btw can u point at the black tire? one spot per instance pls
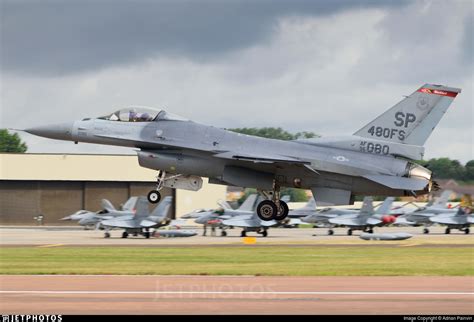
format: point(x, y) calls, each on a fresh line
point(467, 231)
point(283, 211)
point(447, 231)
point(349, 232)
point(264, 233)
point(124, 234)
point(107, 235)
point(223, 233)
point(154, 196)
point(146, 234)
point(267, 210)
point(243, 234)
point(330, 232)
point(370, 231)
point(426, 231)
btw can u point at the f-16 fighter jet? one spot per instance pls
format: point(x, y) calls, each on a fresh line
point(375, 160)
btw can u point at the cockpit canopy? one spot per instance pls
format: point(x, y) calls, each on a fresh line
point(141, 114)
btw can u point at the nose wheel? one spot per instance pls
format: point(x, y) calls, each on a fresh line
point(154, 196)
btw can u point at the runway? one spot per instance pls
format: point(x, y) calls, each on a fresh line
point(103, 294)
point(72, 236)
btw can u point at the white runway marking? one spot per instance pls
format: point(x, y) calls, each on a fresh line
point(233, 293)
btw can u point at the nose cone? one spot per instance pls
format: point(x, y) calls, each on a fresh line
point(61, 131)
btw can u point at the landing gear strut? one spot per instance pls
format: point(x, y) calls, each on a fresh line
point(273, 208)
point(154, 196)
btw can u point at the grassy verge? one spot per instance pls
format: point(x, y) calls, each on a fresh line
point(278, 260)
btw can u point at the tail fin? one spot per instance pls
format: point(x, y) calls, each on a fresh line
point(385, 206)
point(412, 120)
point(107, 205)
point(443, 199)
point(161, 211)
point(367, 206)
point(311, 204)
point(142, 209)
point(224, 204)
point(249, 203)
point(130, 204)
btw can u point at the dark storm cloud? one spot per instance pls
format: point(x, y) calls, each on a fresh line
point(63, 37)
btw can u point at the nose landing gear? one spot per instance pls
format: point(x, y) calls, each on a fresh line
point(154, 196)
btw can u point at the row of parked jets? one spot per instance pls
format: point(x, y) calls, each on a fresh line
point(135, 218)
point(364, 219)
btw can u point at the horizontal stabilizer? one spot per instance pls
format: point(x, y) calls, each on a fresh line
point(373, 221)
point(147, 223)
point(399, 183)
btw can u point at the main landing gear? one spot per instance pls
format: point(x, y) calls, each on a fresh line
point(273, 208)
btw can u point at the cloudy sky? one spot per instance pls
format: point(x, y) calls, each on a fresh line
point(322, 66)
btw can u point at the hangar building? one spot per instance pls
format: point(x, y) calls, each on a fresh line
point(57, 185)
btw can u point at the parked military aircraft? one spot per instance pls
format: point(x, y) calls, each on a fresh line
point(214, 218)
point(320, 218)
point(421, 216)
point(246, 218)
point(461, 220)
point(367, 218)
point(250, 223)
point(128, 206)
point(375, 160)
point(91, 219)
point(142, 220)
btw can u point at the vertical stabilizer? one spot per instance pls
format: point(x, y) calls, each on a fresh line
point(161, 211)
point(412, 120)
point(367, 206)
point(249, 203)
point(385, 206)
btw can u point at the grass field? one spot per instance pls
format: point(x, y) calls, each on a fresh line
point(272, 260)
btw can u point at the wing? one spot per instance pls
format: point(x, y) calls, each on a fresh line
point(345, 221)
point(454, 220)
point(238, 222)
point(260, 158)
point(120, 223)
point(248, 222)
